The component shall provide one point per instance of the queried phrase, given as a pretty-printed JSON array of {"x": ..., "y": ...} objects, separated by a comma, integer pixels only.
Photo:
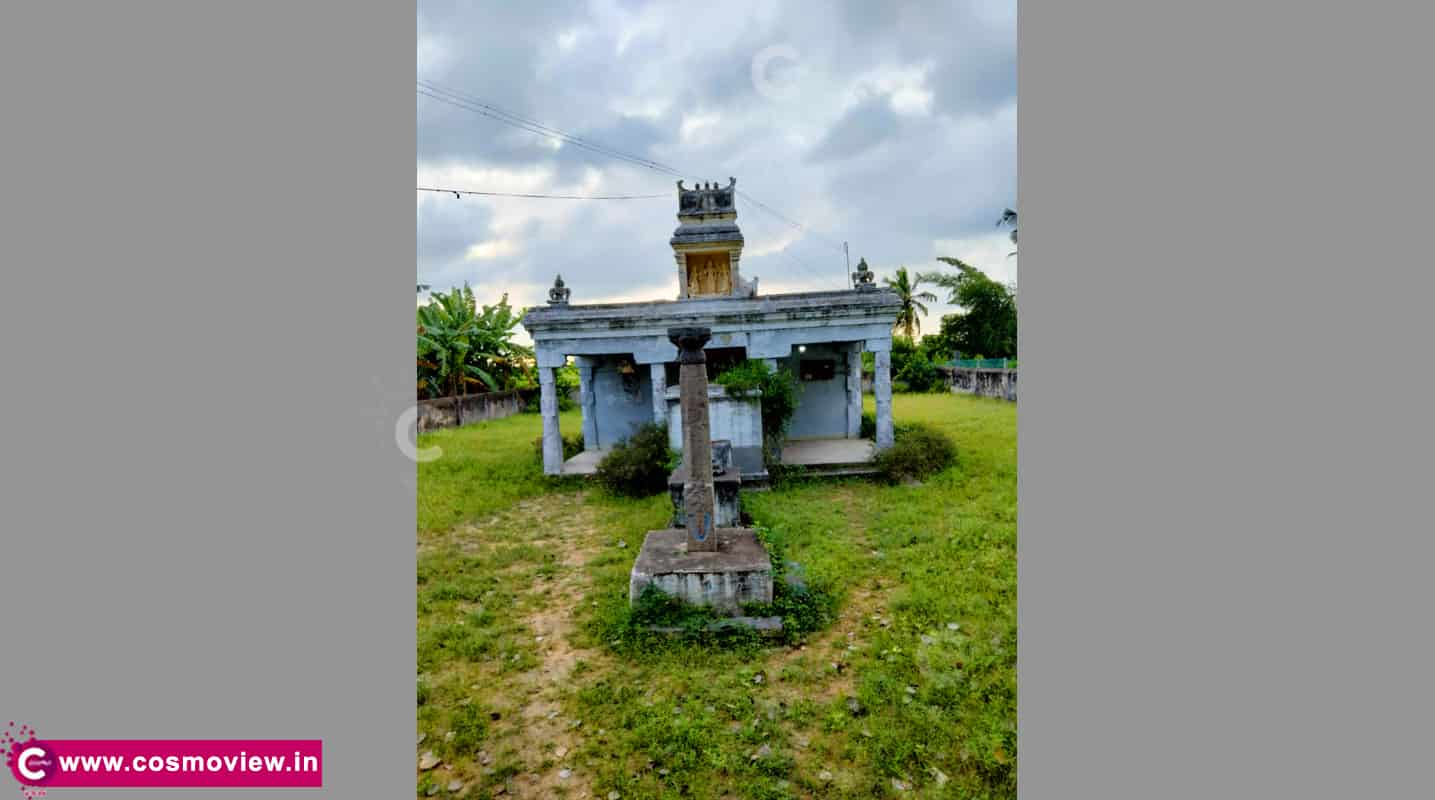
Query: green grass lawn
[{"x": 910, "y": 692}]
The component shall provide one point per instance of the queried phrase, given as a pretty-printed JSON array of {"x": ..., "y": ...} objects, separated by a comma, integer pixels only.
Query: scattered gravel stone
[
  {"x": 455, "y": 785},
  {"x": 855, "y": 706},
  {"x": 448, "y": 737},
  {"x": 484, "y": 758},
  {"x": 560, "y": 752},
  {"x": 900, "y": 786},
  {"x": 824, "y": 775},
  {"x": 758, "y": 678},
  {"x": 432, "y": 790},
  {"x": 613, "y": 796},
  {"x": 565, "y": 774},
  {"x": 622, "y": 543},
  {"x": 939, "y": 776},
  {"x": 663, "y": 772},
  {"x": 761, "y": 752},
  {"x": 951, "y": 626},
  {"x": 422, "y": 736},
  {"x": 428, "y": 760},
  {"x": 911, "y": 690}
]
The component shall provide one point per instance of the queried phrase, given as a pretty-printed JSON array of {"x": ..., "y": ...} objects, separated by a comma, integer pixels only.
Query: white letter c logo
[{"x": 23, "y": 763}]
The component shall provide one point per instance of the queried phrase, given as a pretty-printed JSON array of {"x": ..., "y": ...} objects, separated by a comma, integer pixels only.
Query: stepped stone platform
[{"x": 739, "y": 571}]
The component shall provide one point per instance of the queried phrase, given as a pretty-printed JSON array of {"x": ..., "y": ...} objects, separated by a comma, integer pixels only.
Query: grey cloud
[
  {"x": 889, "y": 183},
  {"x": 866, "y": 125}
]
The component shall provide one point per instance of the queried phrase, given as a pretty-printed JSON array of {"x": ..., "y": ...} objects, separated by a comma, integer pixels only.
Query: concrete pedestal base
[{"x": 738, "y": 572}]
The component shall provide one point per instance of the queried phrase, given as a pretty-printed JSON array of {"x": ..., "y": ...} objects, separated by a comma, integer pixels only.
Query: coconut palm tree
[{"x": 912, "y": 301}]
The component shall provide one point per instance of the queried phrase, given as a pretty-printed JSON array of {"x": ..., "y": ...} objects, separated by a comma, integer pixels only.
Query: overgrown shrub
[
  {"x": 639, "y": 465},
  {"x": 804, "y": 606},
  {"x": 917, "y": 451}
]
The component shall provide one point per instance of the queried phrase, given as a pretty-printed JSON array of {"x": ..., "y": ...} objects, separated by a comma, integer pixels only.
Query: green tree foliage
[
  {"x": 461, "y": 345},
  {"x": 987, "y": 322},
  {"x": 778, "y": 387},
  {"x": 912, "y": 366},
  {"x": 906, "y": 287}
]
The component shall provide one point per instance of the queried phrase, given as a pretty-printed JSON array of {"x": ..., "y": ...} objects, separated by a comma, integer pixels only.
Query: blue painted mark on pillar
[{"x": 705, "y": 528}]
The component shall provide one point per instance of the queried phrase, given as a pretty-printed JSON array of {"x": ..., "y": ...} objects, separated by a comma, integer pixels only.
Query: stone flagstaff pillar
[{"x": 697, "y": 444}]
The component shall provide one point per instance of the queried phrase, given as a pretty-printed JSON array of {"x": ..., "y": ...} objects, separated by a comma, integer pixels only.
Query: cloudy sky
[{"x": 891, "y": 126}]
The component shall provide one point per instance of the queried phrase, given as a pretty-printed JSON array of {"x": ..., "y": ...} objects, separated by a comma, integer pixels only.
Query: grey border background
[
  {"x": 1223, "y": 541},
  {"x": 1223, "y": 564},
  {"x": 206, "y": 322}
]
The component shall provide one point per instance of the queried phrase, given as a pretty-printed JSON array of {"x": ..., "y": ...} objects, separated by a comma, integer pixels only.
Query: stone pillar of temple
[
  {"x": 682, "y": 259},
  {"x": 548, "y": 408},
  {"x": 854, "y": 390},
  {"x": 882, "y": 387},
  {"x": 697, "y": 443},
  {"x": 660, "y": 393},
  {"x": 587, "y": 402}
]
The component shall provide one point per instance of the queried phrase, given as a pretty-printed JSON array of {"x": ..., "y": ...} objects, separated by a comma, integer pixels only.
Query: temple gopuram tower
[{"x": 708, "y": 244}]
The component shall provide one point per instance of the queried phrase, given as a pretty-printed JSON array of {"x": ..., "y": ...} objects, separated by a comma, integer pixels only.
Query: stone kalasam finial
[
  {"x": 558, "y": 295},
  {"x": 863, "y": 280}
]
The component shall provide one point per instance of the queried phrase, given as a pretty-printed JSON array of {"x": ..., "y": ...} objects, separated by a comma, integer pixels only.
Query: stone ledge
[{"x": 738, "y": 572}]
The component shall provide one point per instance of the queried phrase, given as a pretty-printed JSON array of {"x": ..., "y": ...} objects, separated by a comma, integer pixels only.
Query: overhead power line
[
  {"x": 461, "y": 192},
  {"x": 466, "y": 102}
]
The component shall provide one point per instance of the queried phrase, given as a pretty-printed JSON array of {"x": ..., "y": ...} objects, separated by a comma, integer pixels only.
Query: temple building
[{"x": 627, "y": 366}]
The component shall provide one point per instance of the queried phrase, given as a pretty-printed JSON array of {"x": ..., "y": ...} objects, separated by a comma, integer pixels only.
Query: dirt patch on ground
[{"x": 547, "y": 741}]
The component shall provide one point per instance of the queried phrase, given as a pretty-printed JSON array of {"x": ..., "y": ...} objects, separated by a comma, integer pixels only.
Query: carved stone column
[
  {"x": 682, "y": 259},
  {"x": 660, "y": 393},
  {"x": 588, "y": 403},
  {"x": 854, "y": 390},
  {"x": 697, "y": 444},
  {"x": 548, "y": 408},
  {"x": 882, "y": 387}
]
